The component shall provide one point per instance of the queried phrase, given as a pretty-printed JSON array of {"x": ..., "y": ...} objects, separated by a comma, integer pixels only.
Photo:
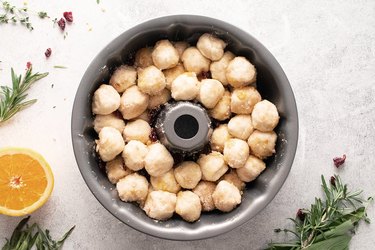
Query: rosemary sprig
[
  {"x": 328, "y": 224},
  {"x": 12, "y": 99}
]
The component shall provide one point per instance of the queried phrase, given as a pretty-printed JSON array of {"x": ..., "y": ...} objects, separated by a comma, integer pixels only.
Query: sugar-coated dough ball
[
  {"x": 204, "y": 190},
  {"x": 211, "y": 46},
  {"x": 165, "y": 55},
  {"x": 188, "y": 206},
  {"x": 265, "y": 116},
  {"x": 151, "y": 80},
  {"x": 262, "y": 144},
  {"x": 180, "y": 47},
  {"x": 110, "y": 143},
  {"x": 166, "y": 182},
  {"x": 226, "y": 196},
  {"x": 219, "y": 136},
  {"x": 222, "y": 111},
  {"x": 133, "y": 103},
  {"x": 244, "y": 99},
  {"x": 123, "y": 77},
  {"x": 137, "y": 130},
  {"x": 240, "y": 126},
  {"x": 133, "y": 187},
  {"x": 143, "y": 57},
  {"x": 173, "y": 73},
  {"x": 210, "y": 93},
  {"x": 160, "y": 205},
  {"x": 236, "y": 152},
  {"x": 110, "y": 120},
  {"x": 158, "y": 160},
  {"x": 144, "y": 116},
  {"x": 212, "y": 166},
  {"x": 116, "y": 170},
  {"x": 134, "y": 155},
  {"x": 185, "y": 87},
  {"x": 157, "y": 100},
  {"x": 105, "y": 100},
  {"x": 218, "y": 68},
  {"x": 252, "y": 169},
  {"x": 232, "y": 177},
  {"x": 188, "y": 174},
  {"x": 240, "y": 72},
  {"x": 194, "y": 61}
]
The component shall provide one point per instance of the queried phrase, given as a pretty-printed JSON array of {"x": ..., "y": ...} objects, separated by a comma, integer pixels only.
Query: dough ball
[
  {"x": 210, "y": 93},
  {"x": 137, "y": 130},
  {"x": 226, "y": 196},
  {"x": 160, "y": 205},
  {"x": 134, "y": 155},
  {"x": 252, "y": 169},
  {"x": 244, "y": 99},
  {"x": 234, "y": 179},
  {"x": 165, "y": 55},
  {"x": 212, "y": 166},
  {"x": 110, "y": 143},
  {"x": 222, "y": 111},
  {"x": 265, "y": 116},
  {"x": 188, "y": 174},
  {"x": 173, "y": 73},
  {"x": 219, "y": 136},
  {"x": 185, "y": 87},
  {"x": 143, "y": 58},
  {"x": 188, "y": 206},
  {"x": 262, "y": 144},
  {"x": 105, "y": 100},
  {"x": 218, "y": 68},
  {"x": 204, "y": 190},
  {"x": 236, "y": 152},
  {"x": 110, "y": 120},
  {"x": 116, "y": 170},
  {"x": 158, "y": 160},
  {"x": 194, "y": 61},
  {"x": 240, "y": 126},
  {"x": 166, "y": 182},
  {"x": 133, "y": 187},
  {"x": 157, "y": 100},
  {"x": 123, "y": 77},
  {"x": 180, "y": 47},
  {"x": 144, "y": 116},
  {"x": 133, "y": 103},
  {"x": 240, "y": 72},
  {"x": 151, "y": 80},
  {"x": 211, "y": 46}
]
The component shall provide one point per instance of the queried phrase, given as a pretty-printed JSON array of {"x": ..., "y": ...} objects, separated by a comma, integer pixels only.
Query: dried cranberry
[
  {"x": 48, "y": 52},
  {"x": 29, "y": 65},
  {"x": 61, "y": 23},
  {"x": 333, "y": 181},
  {"x": 338, "y": 161},
  {"x": 68, "y": 15},
  {"x": 153, "y": 135},
  {"x": 301, "y": 215}
]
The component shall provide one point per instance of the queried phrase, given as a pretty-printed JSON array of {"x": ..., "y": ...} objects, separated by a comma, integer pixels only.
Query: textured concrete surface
[{"x": 327, "y": 49}]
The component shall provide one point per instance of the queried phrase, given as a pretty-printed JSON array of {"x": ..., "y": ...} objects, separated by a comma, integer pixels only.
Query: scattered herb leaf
[
  {"x": 43, "y": 14},
  {"x": 60, "y": 67}
]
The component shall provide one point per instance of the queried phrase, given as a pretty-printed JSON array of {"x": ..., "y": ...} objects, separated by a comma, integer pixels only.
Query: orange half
[{"x": 26, "y": 181}]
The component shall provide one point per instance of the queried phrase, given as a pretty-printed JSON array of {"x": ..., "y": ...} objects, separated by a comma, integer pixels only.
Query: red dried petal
[
  {"x": 333, "y": 181},
  {"x": 338, "y": 161},
  {"x": 48, "y": 52},
  {"x": 28, "y": 65},
  {"x": 68, "y": 15},
  {"x": 301, "y": 215},
  {"x": 61, "y": 23}
]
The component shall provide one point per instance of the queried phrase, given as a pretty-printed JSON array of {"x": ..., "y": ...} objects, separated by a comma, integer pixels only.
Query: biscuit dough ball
[
  {"x": 226, "y": 196},
  {"x": 211, "y": 46},
  {"x": 240, "y": 126},
  {"x": 110, "y": 143},
  {"x": 110, "y": 120},
  {"x": 188, "y": 174},
  {"x": 212, "y": 166},
  {"x": 160, "y": 205},
  {"x": 194, "y": 61},
  {"x": 252, "y": 169},
  {"x": 157, "y": 100},
  {"x": 105, "y": 100},
  {"x": 265, "y": 116},
  {"x": 219, "y": 136},
  {"x": 133, "y": 187},
  {"x": 236, "y": 152},
  {"x": 133, "y": 103},
  {"x": 218, "y": 68},
  {"x": 244, "y": 99},
  {"x": 134, "y": 155},
  {"x": 210, "y": 93},
  {"x": 123, "y": 77},
  {"x": 166, "y": 182},
  {"x": 173, "y": 73},
  {"x": 233, "y": 178},
  {"x": 240, "y": 72},
  {"x": 222, "y": 111},
  {"x": 137, "y": 130},
  {"x": 143, "y": 58},
  {"x": 180, "y": 47},
  {"x": 165, "y": 55},
  {"x": 188, "y": 206},
  {"x": 151, "y": 80},
  {"x": 262, "y": 144},
  {"x": 116, "y": 170},
  {"x": 204, "y": 190},
  {"x": 185, "y": 87},
  {"x": 158, "y": 160}
]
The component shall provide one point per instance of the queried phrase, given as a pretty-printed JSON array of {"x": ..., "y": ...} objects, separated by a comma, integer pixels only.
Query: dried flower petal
[
  {"x": 28, "y": 65},
  {"x": 338, "y": 161},
  {"x": 301, "y": 215},
  {"x": 61, "y": 23},
  {"x": 333, "y": 181},
  {"x": 48, "y": 52},
  {"x": 68, "y": 15}
]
